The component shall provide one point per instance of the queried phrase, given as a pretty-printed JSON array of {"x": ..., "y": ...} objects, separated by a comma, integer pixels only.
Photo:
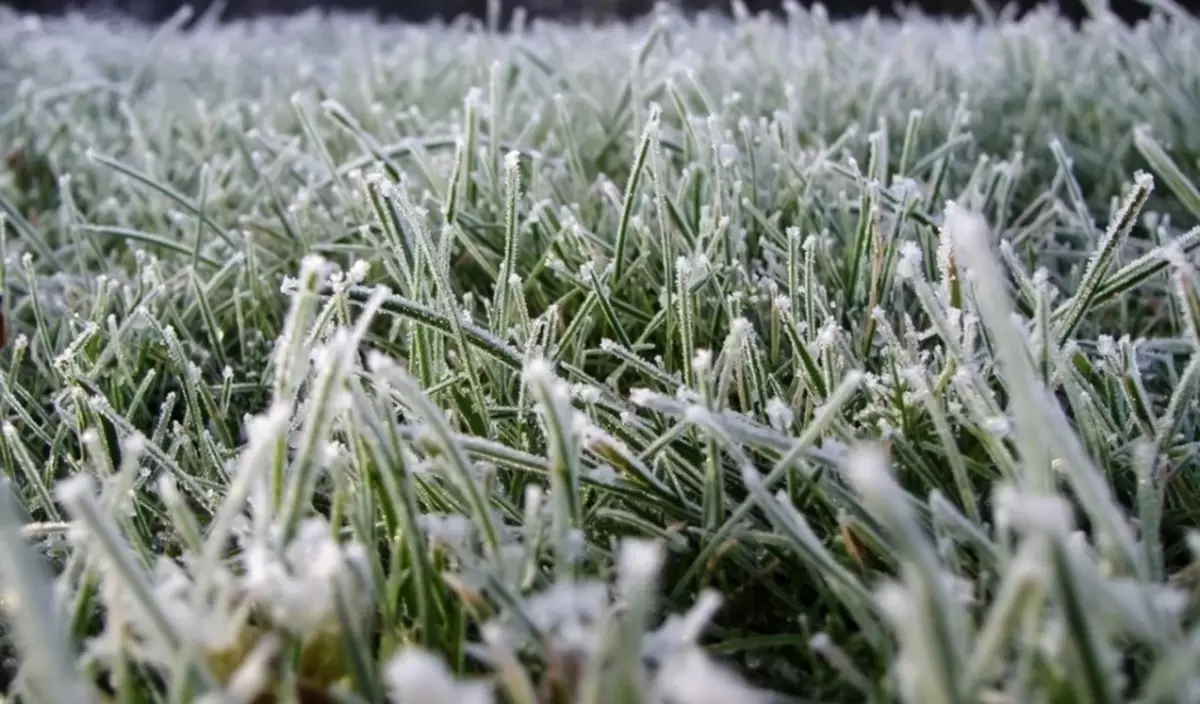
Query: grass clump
[{"x": 687, "y": 361}]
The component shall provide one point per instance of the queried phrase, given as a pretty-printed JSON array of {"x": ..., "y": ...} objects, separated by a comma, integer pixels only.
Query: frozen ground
[{"x": 844, "y": 361}]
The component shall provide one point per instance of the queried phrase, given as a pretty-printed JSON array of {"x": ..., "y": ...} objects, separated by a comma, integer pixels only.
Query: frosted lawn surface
[{"x": 687, "y": 361}]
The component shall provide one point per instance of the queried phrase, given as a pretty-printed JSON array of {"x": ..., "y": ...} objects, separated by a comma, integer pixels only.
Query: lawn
[{"x": 680, "y": 362}]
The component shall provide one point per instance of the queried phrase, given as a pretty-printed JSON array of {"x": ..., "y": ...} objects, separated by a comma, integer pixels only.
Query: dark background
[{"x": 589, "y": 10}]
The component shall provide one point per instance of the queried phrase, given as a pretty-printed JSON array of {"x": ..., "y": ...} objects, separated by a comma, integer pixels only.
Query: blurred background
[{"x": 569, "y": 10}]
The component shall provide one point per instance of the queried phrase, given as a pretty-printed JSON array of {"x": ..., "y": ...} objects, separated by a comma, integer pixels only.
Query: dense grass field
[{"x": 686, "y": 362}]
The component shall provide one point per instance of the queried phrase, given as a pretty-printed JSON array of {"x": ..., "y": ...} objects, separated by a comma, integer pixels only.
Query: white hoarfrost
[{"x": 180, "y": 287}]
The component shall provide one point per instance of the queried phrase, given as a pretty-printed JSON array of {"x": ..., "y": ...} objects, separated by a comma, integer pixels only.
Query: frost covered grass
[{"x": 678, "y": 362}]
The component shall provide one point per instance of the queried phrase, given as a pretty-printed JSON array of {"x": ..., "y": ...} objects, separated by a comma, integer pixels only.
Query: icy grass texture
[{"x": 439, "y": 365}]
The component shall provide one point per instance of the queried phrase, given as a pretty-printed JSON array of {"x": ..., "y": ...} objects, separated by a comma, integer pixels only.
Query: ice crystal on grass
[
  {"x": 694, "y": 678},
  {"x": 296, "y": 586},
  {"x": 418, "y": 676}
]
